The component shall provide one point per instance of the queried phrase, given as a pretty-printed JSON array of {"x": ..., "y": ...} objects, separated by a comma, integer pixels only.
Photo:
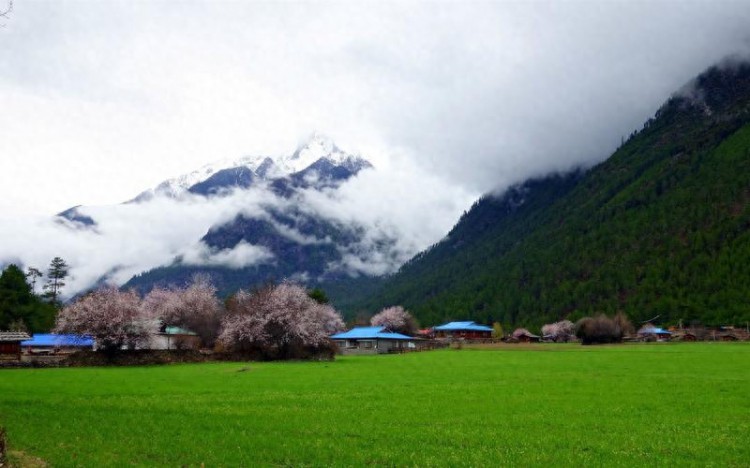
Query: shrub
[{"x": 602, "y": 329}]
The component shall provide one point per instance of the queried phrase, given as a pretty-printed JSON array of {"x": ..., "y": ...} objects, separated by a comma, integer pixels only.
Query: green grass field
[{"x": 560, "y": 404}]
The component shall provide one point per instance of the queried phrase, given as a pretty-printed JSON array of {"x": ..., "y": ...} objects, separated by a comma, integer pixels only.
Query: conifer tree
[{"x": 56, "y": 274}]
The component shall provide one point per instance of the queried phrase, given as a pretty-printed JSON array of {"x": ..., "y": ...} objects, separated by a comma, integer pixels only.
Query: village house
[
  {"x": 372, "y": 340},
  {"x": 464, "y": 330},
  {"x": 10, "y": 345},
  {"x": 50, "y": 343},
  {"x": 522, "y": 335},
  {"x": 175, "y": 338},
  {"x": 650, "y": 332}
]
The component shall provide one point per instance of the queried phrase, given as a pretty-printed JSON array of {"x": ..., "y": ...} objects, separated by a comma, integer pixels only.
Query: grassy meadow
[{"x": 623, "y": 405}]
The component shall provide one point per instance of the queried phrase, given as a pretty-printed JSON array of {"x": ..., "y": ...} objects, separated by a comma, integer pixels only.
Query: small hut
[
  {"x": 649, "y": 332},
  {"x": 522, "y": 335},
  {"x": 686, "y": 336},
  {"x": 10, "y": 345},
  {"x": 175, "y": 338}
]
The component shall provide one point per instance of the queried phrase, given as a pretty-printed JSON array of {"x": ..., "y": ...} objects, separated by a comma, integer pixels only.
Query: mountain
[
  {"x": 660, "y": 228},
  {"x": 281, "y": 232}
]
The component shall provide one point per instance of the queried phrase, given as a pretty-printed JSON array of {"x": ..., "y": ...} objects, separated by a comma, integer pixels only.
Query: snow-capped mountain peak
[
  {"x": 318, "y": 147},
  {"x": 178, "y": 185}
]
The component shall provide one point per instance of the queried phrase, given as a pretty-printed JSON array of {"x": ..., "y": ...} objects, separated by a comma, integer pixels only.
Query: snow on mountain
[
  {"x": 317, "y": 148},
  {"x": 179, "y": 185}
]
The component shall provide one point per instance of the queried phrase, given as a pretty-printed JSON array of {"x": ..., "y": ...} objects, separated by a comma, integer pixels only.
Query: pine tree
[
  {"x": 20, "y": 309},
  {"x": 56, "y": 274}
]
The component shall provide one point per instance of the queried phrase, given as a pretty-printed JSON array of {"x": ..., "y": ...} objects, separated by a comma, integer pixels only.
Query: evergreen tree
[
  {"x": 19, "y": 307},
  {"x": 56, "y": 274},
  {"x": 319, "y": 295}
]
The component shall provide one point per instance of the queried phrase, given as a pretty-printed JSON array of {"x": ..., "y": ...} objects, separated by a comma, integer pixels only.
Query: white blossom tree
[
  {"x": 395, "y": 319},
  {"x": 114, "y": 318},
  {"x": 279, "y": 321}
]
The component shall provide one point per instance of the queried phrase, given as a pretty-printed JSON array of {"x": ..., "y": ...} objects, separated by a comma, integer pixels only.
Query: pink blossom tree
[
  {"x": 563, "y": 330},
  {"x": 395, "y": 319},
  {"x": 113, "y": 317},
  {"x": 195, "y": 308},
  {"x": 279, "y": 321}
]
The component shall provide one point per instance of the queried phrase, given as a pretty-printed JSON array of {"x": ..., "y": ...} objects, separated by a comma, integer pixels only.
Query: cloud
[
  {"x": 103, "y": 99},
  {"x": 127, "y": 239},
  {"x": 240, "y": 256},
  {"x": 398, "y": 210}
]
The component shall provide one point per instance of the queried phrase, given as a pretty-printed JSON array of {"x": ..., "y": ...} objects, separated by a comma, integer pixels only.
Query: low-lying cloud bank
[{"x": 403, "y": 206}]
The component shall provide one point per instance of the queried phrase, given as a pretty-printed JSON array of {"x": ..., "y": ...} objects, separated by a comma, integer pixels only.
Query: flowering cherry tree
[
  {"x": 113, "y": 317},
  {"x": 195, "y": 308},
  {"x": 559, "y": 331},
  {"x": 279, "y": 321},
  {"x": 395, "y": 319}
]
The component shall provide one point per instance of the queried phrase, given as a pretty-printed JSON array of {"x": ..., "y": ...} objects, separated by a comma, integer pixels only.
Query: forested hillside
[{"x": 659, "y": 228}]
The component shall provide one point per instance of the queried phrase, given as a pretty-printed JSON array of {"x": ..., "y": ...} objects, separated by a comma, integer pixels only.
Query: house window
[{"x": 367, "y": 344}]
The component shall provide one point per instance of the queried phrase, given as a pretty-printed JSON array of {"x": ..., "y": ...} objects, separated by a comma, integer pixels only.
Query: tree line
[
  {"x": 282, "y": 321},
  {"x": 22, "y": 308}
]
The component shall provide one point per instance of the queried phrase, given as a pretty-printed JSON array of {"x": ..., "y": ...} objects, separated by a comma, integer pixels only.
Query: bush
[{"x": 602, "y": 329}]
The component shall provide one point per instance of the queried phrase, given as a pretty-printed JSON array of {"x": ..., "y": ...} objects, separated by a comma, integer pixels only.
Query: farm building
[
  {"x": 466, "y": 330},
  {"x": 10, "y": 345},
  {"x": 650, "y": 331},
  {"x": 175, "y": 338},
  {"x": 50, "y": 343},
  {"x": 522, "y": 335},
  {"x": 371, "y": 340},
  {"x": 686, "y": 336}
]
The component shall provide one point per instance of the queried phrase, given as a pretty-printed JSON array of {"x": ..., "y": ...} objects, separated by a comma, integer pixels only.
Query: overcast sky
[{"x": 100, "y": 100}]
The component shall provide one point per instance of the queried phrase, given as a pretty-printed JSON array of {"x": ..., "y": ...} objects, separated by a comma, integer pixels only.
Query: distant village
[{"x": 51, "y": 348}]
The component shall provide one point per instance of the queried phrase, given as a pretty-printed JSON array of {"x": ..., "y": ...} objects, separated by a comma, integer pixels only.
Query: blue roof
[
  {"x": 178, "y": 331},
  {"x": 655, "y": 331},
  {"x": 456, "y": 326},
  {"x": 369, "y": 333},
  {"x": 51, "y": 339}
]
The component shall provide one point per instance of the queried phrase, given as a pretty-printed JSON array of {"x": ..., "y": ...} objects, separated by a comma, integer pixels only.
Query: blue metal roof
[
  {"x": 457, "y": 326},
  {"x": 51, "y": 339},
  {"x": 655, "y": 331},
  {"x": 178, "y": 331},
  {"x": 369, "y": 333}
]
